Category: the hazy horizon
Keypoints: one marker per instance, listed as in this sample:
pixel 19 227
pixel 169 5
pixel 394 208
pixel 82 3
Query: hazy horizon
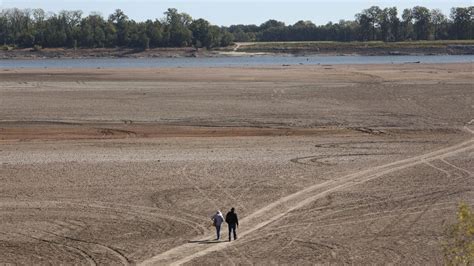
pixel 228 12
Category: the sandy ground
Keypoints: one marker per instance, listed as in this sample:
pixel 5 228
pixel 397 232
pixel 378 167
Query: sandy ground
pixel 324 164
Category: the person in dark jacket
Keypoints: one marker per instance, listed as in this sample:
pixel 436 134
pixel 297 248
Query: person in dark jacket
pixel 232 222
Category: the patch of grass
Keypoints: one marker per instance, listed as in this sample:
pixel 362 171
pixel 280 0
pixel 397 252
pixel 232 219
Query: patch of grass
pixel 37 48
pixel 459 247
pixel 330 45
pixel 6 48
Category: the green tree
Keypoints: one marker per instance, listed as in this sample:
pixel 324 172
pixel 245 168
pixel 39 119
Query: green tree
pixel 39 17
pixel 121 23
pixel 28 27
pixel 439 22
pixel 422 25
pixel 302 30
pixel 273 34
pixel 459 246
pixel 138 35
pixel 244 33
pixel 202 34
pixel 271 24
pixel 110 34
pixel 71 23
pixel 216 36
pixel 346 31
pixel 55 32
pixel 394 24
pixel 92 32
pixel 144 41
pixel 384 21
pixel 463 23
pixel 177 32
pixel 227 38
pixel 370 16
pixel 389 24
pixel 407 25
pixel 18 26
pixel 154 32
pixel 365 27
pixel 240 36
pixel 3 28
pixel 24 28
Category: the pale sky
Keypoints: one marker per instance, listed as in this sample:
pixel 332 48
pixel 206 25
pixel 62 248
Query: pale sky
pixel 228 12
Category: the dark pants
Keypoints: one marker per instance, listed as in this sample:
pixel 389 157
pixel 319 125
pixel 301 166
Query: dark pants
pixel 218 231
pixel 232 228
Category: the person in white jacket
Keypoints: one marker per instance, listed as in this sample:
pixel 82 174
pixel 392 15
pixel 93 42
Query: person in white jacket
pixel 217 220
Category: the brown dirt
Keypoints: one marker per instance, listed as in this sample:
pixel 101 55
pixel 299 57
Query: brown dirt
pixel 28 53
pixel 251 48
pixel 324 164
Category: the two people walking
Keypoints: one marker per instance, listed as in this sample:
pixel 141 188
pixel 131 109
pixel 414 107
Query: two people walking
pixel 232 222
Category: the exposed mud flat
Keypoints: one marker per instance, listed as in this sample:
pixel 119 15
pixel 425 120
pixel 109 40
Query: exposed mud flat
pixel 324 164
pixel 252 49
pixel 28 53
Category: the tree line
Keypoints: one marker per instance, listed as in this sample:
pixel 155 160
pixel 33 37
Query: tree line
pixel 31 27
pixel 372 24
pixel 36 28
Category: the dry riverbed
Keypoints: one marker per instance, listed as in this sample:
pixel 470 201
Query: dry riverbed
pixel 324 164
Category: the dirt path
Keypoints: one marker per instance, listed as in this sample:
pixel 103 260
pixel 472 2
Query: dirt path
pixel 237 45
pixel 276 210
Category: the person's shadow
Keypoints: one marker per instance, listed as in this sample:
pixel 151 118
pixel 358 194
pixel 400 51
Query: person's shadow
pixel 213 241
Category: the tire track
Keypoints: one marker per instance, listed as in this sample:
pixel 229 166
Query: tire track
pixel 90 260
pixel 63 229
pixel 371 216
pixel 317 160
pixel 117 254
pixel 285 205
pixel 374 215
pixel 355 219
pixel 211 201
pixel 400 218
pixel 146 211
pixel 448 175
pixel 221 188
pixel 294 238
pixel 457 167
pixel 419 198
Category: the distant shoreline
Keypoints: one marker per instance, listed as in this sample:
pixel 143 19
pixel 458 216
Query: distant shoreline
pixel 254 49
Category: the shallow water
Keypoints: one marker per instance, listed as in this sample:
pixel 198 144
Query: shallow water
pixel 246 61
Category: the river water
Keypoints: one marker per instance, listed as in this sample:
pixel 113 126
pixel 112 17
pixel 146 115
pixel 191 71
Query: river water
pixel 244 61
